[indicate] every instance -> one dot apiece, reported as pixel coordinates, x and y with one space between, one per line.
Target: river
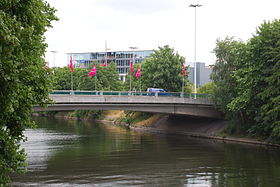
85 153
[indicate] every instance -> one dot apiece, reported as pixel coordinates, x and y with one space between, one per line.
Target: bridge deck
201 107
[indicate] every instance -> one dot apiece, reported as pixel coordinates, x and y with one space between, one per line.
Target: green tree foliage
62 78
23 77
163 70
248 82
106 78
227 52
206 88
259 82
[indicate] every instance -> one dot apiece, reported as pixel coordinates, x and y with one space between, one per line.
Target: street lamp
213 60
133 48
106 49
194 6
54 57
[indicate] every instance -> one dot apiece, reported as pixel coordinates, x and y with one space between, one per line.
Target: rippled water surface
75 153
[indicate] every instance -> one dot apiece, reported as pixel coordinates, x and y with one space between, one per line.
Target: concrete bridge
167 103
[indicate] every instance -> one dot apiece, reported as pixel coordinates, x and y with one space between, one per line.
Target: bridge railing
132 93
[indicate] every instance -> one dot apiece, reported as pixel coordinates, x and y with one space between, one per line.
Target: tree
258 82
189 86
206 88
24 81
247 77
163 70
106 78
229 54
62 78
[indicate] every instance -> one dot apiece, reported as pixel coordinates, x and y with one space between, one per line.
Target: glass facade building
121 58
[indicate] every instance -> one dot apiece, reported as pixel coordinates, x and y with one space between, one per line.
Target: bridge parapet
127 99
62 96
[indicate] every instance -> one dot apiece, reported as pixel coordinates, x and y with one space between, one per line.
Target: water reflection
71 153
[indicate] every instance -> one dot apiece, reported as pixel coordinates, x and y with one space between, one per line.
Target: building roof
109 51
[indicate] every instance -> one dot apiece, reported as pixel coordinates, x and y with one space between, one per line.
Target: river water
78 153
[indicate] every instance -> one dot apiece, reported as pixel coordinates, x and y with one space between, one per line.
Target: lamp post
213 60
54 52
194 6
133 48
106 49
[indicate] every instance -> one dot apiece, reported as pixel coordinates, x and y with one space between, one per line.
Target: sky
85 25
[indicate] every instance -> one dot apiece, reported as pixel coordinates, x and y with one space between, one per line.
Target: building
121 58
202 74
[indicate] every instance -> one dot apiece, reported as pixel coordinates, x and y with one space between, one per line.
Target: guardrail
123 93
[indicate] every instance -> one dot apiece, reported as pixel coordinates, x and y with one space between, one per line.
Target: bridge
166 103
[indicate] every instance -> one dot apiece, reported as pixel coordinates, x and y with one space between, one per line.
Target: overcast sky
85 25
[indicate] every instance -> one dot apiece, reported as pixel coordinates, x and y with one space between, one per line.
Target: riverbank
173 125
191 126
194 127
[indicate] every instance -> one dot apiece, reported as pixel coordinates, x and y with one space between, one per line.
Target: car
157 92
